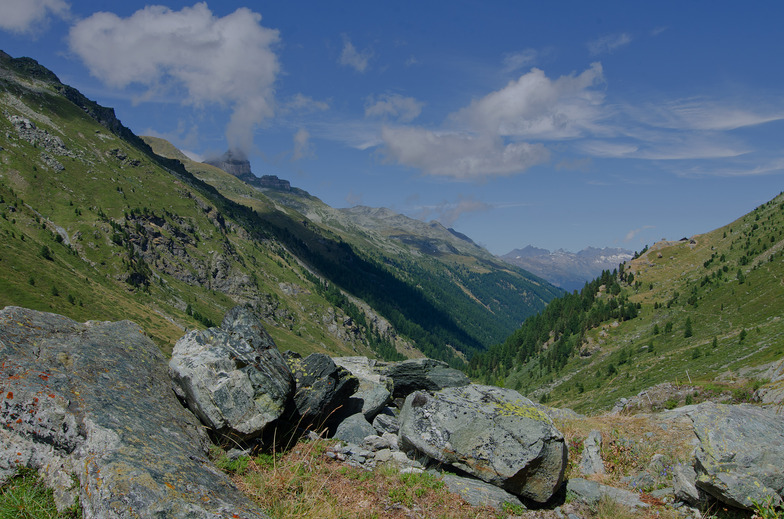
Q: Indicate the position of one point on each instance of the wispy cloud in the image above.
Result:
(447, 213)
(521, 59)
(704, 114)
(351, 57)
(229, 60)
(31, 16)
(609, 44)
(302, 146)
(634, 232)
(394, 106)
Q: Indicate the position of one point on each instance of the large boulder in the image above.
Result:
(491, 433)
(322, 390)
(423, 374)
(741, 453)
(233, 377)
(93, 401)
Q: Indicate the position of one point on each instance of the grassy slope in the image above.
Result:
(96, 189)
(673, 282)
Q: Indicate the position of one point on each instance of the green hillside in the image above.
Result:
(95, 225)
(700, 311)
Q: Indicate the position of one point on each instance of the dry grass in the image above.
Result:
(628, 444)
(305, 483)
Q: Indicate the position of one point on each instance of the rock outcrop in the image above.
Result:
(322, 388)
(233, 377)
(93, 402)
(491, 433)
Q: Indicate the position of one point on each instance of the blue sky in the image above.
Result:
(556, 124)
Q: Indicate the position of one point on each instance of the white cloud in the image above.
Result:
(535, 106)
(395, 106)
(30, 16)
(229, 60)
(351, 57)
(489, 141)
(302, 145)
(609, 44)
(460, 156)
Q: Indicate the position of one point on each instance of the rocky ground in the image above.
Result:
(95, 409)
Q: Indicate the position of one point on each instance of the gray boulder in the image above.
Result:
(373, 392)
(94, 401)
(322, 389)
(233, 378)
(590, 492)
(423, 374)
(491, 433)
(354, 429)
(478, 493)
(741, 453)
(591, 460)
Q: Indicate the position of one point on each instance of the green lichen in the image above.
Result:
(518, 408)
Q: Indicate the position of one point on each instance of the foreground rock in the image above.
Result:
(591, 492)
(233, 377)
(94, 401)
(741, 453)
(479, 493)
(494, 434)
(423, 374)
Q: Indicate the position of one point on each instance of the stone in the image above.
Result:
(233, 377)
(93, 401)
(423, 374)
(322, 388)
(386, 421)
(591, 460)
(740, 454)
(590, 492)
(684, 484)
(491, 433)
(478, 493)
(354, 429)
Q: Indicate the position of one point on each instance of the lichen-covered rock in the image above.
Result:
(590, 492)
(233, 378)
(321, 389)
(741, 453)
(94, 401)
(423, 375)
(491, 433)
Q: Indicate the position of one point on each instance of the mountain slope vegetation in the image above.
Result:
(694, 312)
(95, 225)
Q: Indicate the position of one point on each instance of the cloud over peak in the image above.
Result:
(229, 61)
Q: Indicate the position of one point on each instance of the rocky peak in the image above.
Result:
(234, 162)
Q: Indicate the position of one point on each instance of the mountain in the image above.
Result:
(98, 226)
(700, 316)
(479, 292)
(567, 270)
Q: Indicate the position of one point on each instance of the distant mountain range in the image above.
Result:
(564, 269)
